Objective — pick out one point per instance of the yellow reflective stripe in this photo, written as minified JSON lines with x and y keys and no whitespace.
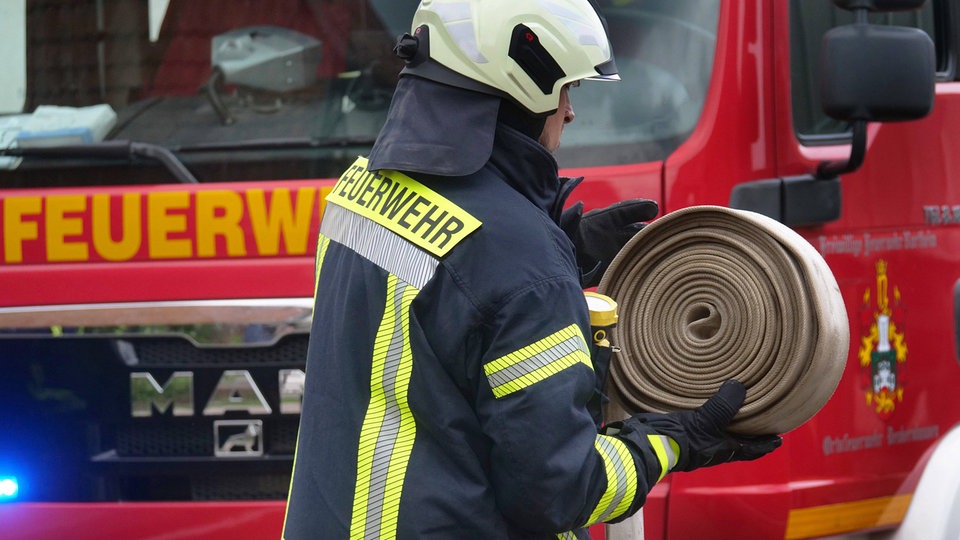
{"x":322,"y":243}
{"x":621,"y":479}
{"x":537,"y":361}
{"x":387,"y":435}
{"x":569,"y":535}
{"x":834,"y":519}
{"x":403,"y":205}
{"x":667,"y":450}
{"x":286,"y":508}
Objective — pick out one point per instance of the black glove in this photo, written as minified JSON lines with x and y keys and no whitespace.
{"x":599,"y":234}
{"x":701,"y":433}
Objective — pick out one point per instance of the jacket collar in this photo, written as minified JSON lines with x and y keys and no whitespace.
{"x":528,"y":167}
{"x":441,"y":130}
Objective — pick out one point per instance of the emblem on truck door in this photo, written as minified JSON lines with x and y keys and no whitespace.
{"x":883,"y":351}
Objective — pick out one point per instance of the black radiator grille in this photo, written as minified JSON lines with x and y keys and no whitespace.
{"x":176,"y":439}
{"x":176,"y":352}
{"x":240,"y":487}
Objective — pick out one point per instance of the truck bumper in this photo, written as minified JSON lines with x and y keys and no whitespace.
{"x":169,"y":520}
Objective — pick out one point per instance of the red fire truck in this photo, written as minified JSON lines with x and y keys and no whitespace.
{"x":163,"y":168}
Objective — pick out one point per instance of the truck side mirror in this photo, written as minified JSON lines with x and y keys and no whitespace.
{"x":873,"y":73}
{"x":877,"y":73}
{"x":869,"y":73}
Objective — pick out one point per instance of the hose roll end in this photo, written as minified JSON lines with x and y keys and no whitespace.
{"x":707,"y":294}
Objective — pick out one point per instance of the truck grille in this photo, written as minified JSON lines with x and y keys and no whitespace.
{"x":79,"y":440}
{"x":180,"y":353}
{"x":195,"y":439}
{"x":259,"y":487}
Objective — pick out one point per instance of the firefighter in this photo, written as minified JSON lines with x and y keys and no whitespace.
{"x":451,"y":389}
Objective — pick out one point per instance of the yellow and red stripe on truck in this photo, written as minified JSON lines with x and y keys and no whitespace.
{"x":160,"y":223}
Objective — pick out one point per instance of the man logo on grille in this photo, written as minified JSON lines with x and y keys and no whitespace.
{"x":238,"y":438}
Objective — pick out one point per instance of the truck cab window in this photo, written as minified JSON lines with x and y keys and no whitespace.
{"x":808,"y":22}
{"x":233,"y":89}
{"x":664,"y":51}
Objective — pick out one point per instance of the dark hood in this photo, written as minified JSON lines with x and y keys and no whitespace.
{"x":433,"y":128}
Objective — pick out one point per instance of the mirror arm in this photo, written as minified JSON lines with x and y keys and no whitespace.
{"x":858,"y":149}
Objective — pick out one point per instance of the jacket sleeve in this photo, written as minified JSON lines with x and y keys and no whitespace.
{"x":551,"y":470}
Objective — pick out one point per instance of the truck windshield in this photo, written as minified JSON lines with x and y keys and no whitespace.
{"x":251,"y":90}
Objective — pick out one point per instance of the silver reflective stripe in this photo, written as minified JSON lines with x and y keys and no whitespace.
{"x":379,"y":245}
{"x":389,"y":430}
{"x":454,"y":11}
{"x":383,"y":450}
{"x":537,"y":361}
{"x":671,"y":456}
{"x":459,"y":22}
{"x":586,"y":34}
{"x":619,"y":490}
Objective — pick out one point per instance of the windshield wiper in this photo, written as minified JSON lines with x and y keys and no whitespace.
{"x":276,"y":143}
{"x":111,"y":150}
{"x":127,"y":150}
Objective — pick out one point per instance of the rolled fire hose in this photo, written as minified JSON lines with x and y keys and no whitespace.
{"x":708,"y":294}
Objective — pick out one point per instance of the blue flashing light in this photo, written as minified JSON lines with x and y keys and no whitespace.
{"x":9,"y":487}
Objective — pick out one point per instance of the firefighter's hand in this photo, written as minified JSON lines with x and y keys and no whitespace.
{"x":701,"y":433}
{"x":598,"y":235}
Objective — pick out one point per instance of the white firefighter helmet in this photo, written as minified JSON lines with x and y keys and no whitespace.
{"x":523,"y":49}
